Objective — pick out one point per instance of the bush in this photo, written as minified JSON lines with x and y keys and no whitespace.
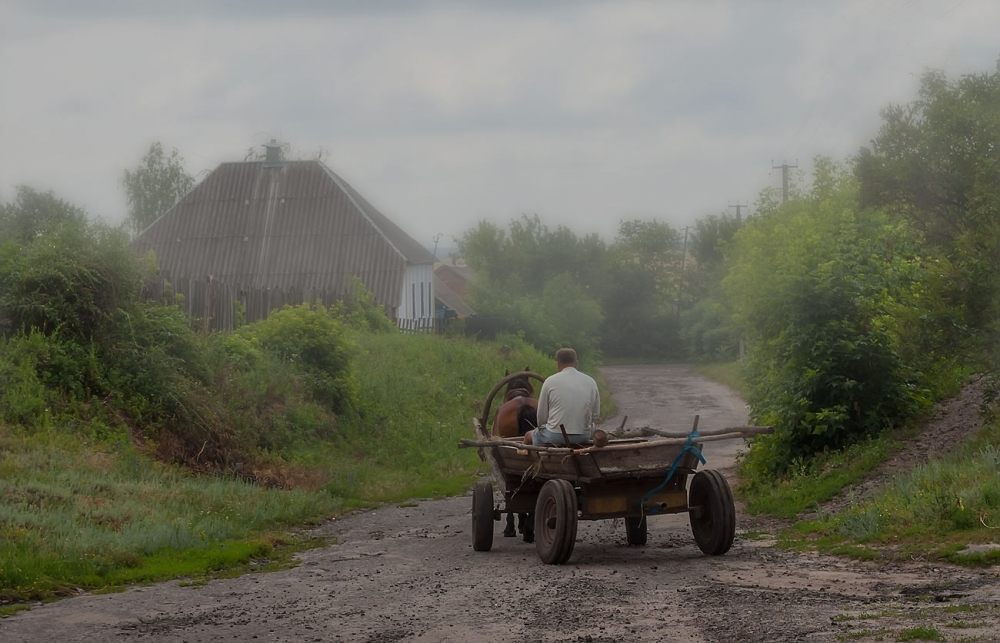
{"x":817,"y":287}
{"x":316,"y":343}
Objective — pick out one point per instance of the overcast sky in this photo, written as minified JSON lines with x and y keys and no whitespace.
{"x":445,"y":113}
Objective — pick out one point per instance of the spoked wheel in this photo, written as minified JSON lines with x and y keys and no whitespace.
{"x":635,"y":531}
{"x":555,"y":522}
{"x":482,"y":516}
{"x":713,"y":512}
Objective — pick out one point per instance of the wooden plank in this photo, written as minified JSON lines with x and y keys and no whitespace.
{"x":490,"y":456}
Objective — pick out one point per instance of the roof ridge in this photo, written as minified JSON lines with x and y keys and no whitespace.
{"x":342,"y":184}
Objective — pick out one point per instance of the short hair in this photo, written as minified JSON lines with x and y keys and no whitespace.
{"x":566,"y":357}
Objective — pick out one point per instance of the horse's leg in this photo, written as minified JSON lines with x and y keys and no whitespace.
{"x":528,"y":526}
{"x":509,"y":531}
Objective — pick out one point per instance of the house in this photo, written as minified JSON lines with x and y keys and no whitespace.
{"x":273,"y":232}
{"x":455,"y":277}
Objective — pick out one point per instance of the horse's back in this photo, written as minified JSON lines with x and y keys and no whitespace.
{"x":512,"y":416}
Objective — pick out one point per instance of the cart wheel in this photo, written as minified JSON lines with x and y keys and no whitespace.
{"x":482,"y":516}
{"x":635,"y":531}
{"x":555,"y":522}
{"x":713,"y":520}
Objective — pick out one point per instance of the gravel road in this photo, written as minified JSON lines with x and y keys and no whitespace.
{"x":409,"y":574}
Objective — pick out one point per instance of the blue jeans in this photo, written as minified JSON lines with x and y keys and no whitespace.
{"x":541,"y":435}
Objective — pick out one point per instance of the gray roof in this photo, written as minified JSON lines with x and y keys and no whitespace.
{"x":296,"y":226}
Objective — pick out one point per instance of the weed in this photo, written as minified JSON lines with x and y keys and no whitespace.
{"x":920,"y":634}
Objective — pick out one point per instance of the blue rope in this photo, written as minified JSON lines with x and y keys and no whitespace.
{"x":689,"y":447}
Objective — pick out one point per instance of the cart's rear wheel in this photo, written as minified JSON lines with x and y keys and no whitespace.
{"x":635,"y":530}
{"x":555,"y":522}
{"x":482,"y":516}
{"x":713,"y":515}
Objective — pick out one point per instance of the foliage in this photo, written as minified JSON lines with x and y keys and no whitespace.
{"x":934,"y":165}
{"x":316,"y":343}
{"x":640,"y":303}
{"x":154,"y":186}
{"x":559,"y":289}
{"x":706,"y":329}
{"x":34,"y":213}
{"x":816,"y":287}
{"x":540,"y":282}
{"x":360,"y":312}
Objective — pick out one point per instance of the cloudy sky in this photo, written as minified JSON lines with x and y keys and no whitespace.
{"x":443,"y":113}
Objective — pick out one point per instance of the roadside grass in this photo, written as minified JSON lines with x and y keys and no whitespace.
{"x":821,"y":479}
{"x":78,"y":516}
{"x":79,"y":513}
{"x":932,"y":617}
{"x":934,"y":512}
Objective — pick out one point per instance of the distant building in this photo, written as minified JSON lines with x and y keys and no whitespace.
{"x":274,"y":232}
{"x":451,"y":285}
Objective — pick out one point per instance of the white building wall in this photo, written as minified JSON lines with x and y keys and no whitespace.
{"x":418,"y":294}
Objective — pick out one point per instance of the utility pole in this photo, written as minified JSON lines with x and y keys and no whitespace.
{"x":437,"y":238}
{"x":680,"y":284}
{"x":784,"y":178}
{"x":739,"y":220}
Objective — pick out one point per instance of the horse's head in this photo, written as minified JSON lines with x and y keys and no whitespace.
{"x":519,"y":387}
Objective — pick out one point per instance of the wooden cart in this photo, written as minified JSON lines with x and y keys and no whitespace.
{"x":628,"y":478}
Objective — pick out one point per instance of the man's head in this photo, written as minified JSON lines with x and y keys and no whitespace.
{"x":565,"y":357}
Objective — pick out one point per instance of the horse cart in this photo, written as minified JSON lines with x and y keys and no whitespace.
{"x":630,"y":478}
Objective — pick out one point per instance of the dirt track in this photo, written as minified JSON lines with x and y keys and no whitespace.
{"x":409,"y":574}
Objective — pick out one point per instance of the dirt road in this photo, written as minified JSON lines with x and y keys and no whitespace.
{"x":409,"y":574}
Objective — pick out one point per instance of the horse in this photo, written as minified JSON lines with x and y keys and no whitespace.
{"x":515,"y":417}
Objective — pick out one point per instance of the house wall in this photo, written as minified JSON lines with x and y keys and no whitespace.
{"x":418,"y":293}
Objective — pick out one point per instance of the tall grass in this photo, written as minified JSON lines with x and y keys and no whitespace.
{"x":418,"y":395}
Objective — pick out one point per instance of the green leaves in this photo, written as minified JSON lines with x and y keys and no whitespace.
{"x":154,"y":187}
{"x":816,"y":285}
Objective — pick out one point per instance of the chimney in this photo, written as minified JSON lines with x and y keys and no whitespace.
{"x":272,"y":157}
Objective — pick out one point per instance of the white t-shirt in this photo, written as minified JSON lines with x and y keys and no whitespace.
{"x":569,"y":398}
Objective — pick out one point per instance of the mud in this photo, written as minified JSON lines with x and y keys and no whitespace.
{"x":409,"y":574}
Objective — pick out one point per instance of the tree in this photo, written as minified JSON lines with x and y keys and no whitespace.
{"x":544,"y":283}
{"x":34,"y":213}
{"x":820,"y":290}
{"x":154,"y":187}
{"x":640,"y":300}
{"x":705,"y":326}
{"x":935,"y":165}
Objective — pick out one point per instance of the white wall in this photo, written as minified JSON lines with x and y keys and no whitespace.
{"x":418,"y":293}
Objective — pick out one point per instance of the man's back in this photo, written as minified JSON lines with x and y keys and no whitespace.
{"x":569,"y":398}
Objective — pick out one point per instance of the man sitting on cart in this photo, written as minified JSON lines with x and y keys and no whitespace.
{"x":568,"y":399}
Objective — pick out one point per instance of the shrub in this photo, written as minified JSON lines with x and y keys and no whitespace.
{"x":316,"y":343}
{"x":817,"y":287}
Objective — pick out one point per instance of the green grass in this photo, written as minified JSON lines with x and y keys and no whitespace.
{"x":920,"y":634}
{"x":934,"y":511}
{"x":73,"y":515}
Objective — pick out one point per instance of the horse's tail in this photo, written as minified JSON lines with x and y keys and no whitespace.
{"x":527,"y":419}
